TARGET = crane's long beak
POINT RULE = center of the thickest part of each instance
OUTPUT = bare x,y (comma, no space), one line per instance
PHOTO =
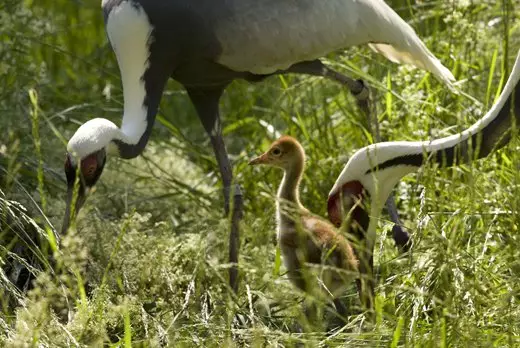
74,204
262,159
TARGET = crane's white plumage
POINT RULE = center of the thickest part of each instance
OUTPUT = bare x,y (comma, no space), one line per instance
368,157
362,166
260,37
92,136
129,31
263,39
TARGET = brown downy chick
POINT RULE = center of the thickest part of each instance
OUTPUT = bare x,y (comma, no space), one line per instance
306,239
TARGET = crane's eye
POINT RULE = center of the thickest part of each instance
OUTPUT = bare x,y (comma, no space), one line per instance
276,151
88,166
89,171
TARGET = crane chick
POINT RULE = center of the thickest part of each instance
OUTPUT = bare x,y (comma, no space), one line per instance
319,260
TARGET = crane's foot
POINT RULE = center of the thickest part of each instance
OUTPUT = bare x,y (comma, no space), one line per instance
401,236
236,206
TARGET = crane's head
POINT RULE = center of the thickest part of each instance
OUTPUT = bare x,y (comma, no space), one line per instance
362,188
285,153
85,160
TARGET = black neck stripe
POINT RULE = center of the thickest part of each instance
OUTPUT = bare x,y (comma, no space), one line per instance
492,137
415,160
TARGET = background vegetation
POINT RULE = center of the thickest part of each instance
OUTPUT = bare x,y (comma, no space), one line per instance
147,262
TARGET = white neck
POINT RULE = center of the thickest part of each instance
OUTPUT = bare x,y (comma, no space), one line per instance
379,167
478,126
129,31
363,165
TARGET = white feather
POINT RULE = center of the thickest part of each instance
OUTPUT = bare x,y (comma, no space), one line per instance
262,39
128,29
395,39
384,180
92,136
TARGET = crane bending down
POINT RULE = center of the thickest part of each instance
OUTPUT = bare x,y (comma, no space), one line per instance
206,44
373,171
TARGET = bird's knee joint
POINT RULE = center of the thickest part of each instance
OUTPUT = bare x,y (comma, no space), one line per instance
364,92
233,190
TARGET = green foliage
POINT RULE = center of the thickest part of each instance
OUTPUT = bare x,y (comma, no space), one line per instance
147,264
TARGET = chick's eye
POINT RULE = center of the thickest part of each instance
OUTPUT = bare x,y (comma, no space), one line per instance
276,151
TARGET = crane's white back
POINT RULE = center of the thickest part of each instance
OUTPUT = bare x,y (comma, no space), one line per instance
265,36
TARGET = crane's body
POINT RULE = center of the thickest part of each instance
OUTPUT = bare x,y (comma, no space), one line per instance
373,171
206,44
261,37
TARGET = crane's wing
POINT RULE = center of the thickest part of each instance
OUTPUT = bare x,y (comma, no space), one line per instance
263,36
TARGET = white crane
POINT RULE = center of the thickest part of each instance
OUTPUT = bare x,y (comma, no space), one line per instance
206,44
372,172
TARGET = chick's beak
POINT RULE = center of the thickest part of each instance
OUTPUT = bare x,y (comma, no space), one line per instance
262,159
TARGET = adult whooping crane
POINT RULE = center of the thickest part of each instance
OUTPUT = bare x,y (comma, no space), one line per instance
372,172
206,44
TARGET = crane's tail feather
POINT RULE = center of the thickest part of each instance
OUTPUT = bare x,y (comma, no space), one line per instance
424,60
395,39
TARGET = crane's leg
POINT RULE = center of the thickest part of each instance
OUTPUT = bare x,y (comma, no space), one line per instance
206,101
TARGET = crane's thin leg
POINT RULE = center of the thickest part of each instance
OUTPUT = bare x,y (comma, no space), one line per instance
206,101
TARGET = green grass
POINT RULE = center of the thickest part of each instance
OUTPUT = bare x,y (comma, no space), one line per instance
147,262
